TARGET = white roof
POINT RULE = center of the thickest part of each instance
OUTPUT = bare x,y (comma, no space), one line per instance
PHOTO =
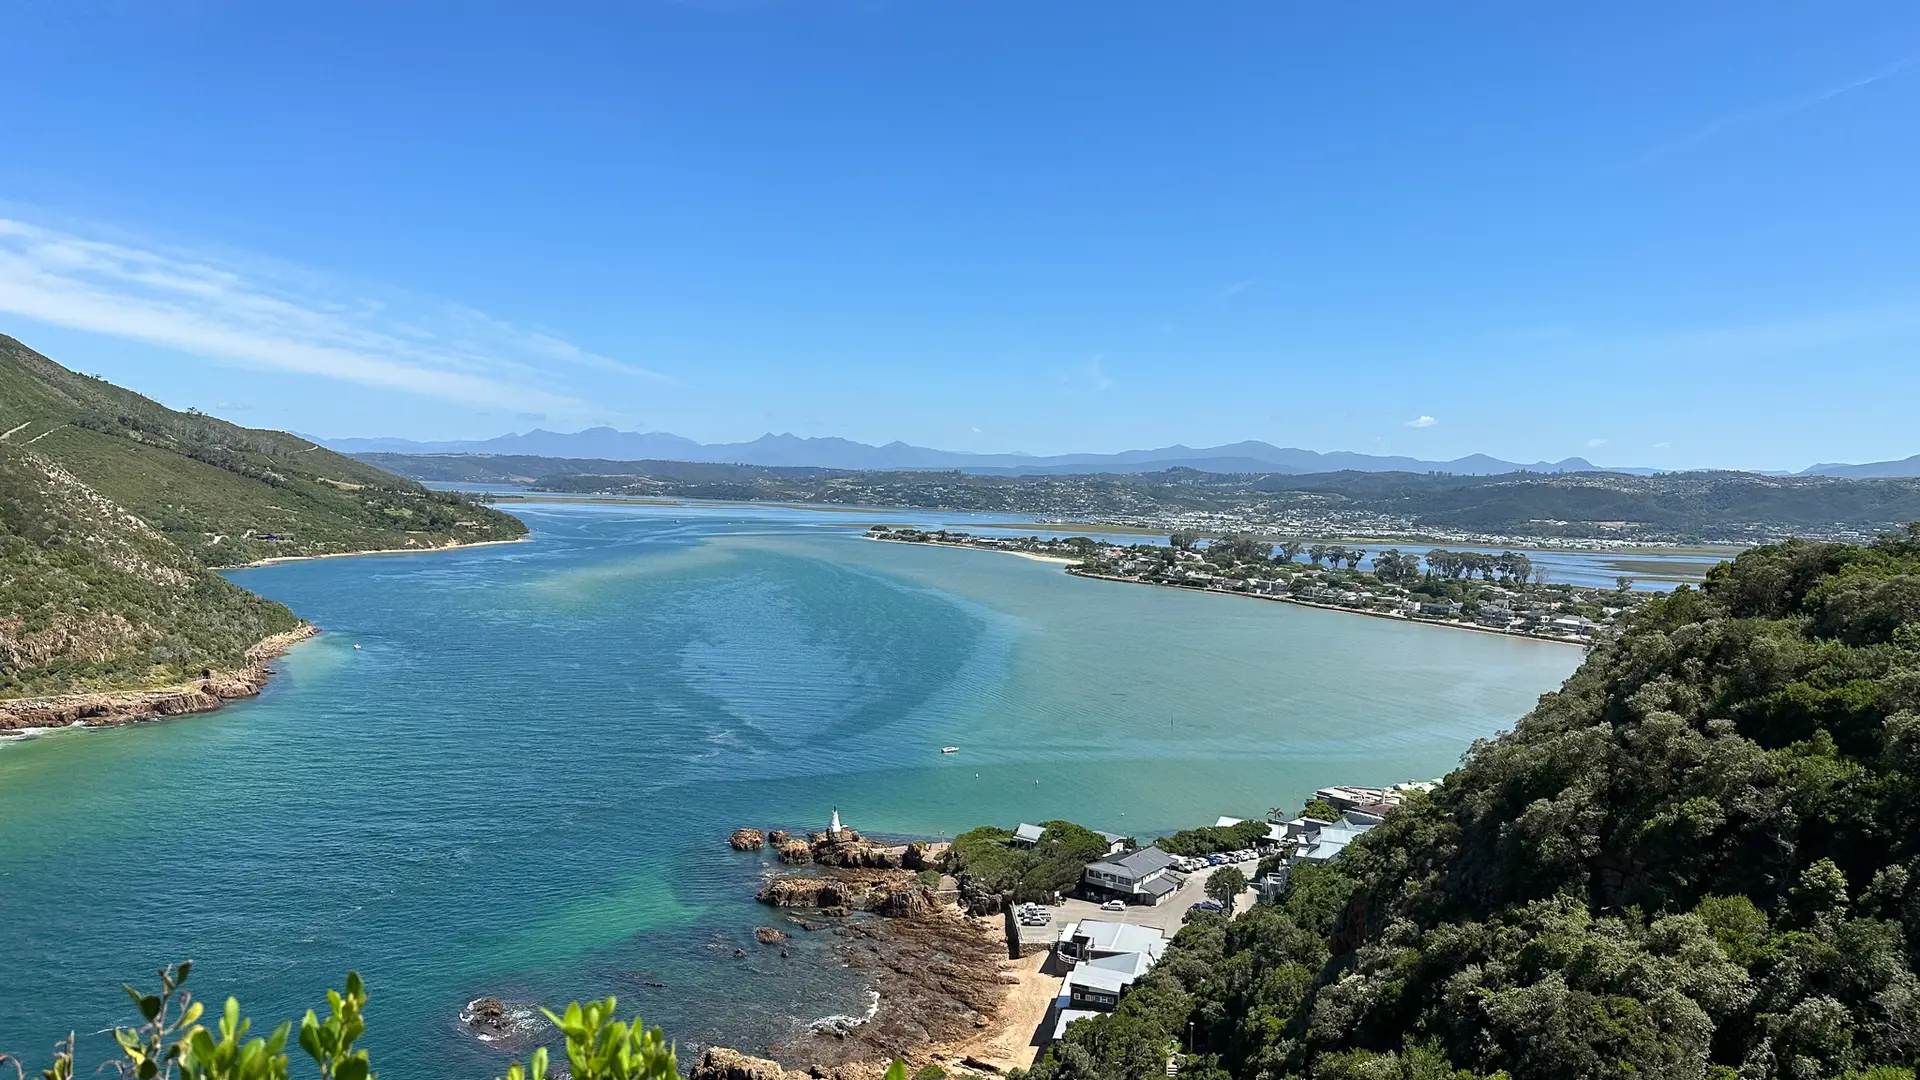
1030,833
1227,822
1113,937
1068,1016
1131,964
1104,979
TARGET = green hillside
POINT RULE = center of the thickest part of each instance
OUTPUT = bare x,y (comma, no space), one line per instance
113,507
91,598
227,494
1698,859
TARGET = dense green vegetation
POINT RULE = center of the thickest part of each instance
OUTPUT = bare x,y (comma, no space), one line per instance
1699,858
987,861
170,1041
226,494
1669,507
112,507
1211,839
93,599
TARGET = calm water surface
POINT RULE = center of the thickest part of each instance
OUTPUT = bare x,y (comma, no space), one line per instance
520,782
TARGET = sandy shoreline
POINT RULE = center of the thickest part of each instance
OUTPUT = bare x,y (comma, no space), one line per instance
1008,1040
974,547
374,551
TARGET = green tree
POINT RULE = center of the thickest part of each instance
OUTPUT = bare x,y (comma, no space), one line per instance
170,1043
1225,884
1320,810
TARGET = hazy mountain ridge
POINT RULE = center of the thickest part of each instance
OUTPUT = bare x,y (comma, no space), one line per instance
607,444
1666,507
1868,470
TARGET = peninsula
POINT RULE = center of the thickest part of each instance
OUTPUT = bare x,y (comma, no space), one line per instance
1467,590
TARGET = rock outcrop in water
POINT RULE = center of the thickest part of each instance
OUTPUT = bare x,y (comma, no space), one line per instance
746,840
503,1025
896,894
769,935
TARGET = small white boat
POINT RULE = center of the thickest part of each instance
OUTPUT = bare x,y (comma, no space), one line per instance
949,749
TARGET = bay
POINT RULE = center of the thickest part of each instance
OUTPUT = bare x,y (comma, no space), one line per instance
520,782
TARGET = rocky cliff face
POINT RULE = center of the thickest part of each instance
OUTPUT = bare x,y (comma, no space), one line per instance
210,691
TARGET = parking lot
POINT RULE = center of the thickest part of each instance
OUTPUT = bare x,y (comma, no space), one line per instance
1166,916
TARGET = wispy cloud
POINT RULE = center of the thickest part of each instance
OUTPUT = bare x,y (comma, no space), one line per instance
1422,422
255,314
1233,290
1661,445
1778,110
1097,375
1595,444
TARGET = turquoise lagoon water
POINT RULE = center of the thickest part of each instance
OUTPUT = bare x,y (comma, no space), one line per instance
519,784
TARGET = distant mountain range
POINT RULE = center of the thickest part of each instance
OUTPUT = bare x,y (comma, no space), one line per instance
1872,470
828,453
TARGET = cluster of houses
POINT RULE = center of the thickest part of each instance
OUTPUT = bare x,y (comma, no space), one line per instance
1497,607
1503,609
1105,958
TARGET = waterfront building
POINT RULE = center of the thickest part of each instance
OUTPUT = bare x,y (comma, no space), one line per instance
1138,877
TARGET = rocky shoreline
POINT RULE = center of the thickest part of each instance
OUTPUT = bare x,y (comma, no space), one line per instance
112,708
938,976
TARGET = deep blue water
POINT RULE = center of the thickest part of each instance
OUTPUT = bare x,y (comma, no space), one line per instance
520,783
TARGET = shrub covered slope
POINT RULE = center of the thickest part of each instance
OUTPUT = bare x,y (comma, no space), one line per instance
1698,858
217,489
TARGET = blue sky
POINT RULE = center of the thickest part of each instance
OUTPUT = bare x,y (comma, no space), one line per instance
1645,233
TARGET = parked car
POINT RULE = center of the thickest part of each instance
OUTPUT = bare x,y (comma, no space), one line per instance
1113,905
1208,905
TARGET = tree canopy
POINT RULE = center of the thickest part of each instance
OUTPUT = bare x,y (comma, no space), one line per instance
1698,858
987,860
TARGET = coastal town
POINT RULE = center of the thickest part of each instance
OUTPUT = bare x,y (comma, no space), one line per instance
1500,593
1075,945
1575,511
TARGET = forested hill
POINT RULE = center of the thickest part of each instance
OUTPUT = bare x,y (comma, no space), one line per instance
1699,858
227,494
112,507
